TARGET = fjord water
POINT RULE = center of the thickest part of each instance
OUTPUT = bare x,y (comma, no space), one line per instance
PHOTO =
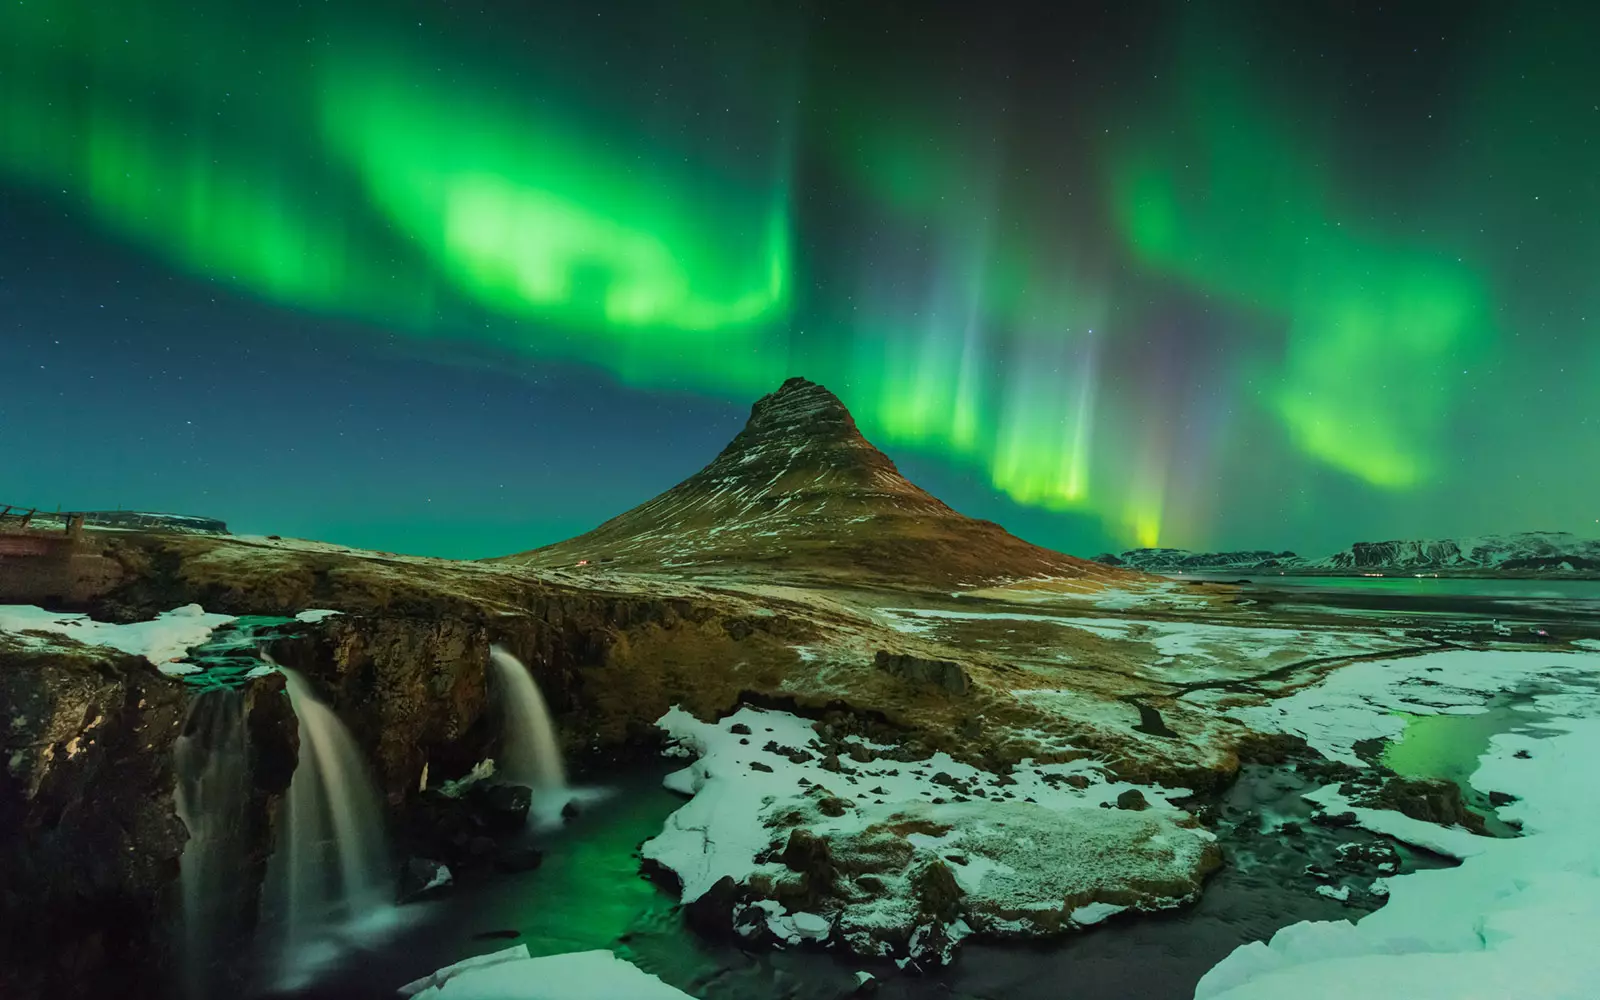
331,876
209,760
532,754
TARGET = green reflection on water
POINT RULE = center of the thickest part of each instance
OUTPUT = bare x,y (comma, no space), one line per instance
1447,747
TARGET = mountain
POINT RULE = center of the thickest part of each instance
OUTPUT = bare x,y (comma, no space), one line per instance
1529,553
1525,552
1184,561
799,490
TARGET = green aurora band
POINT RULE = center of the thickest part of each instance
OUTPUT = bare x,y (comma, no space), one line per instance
341,165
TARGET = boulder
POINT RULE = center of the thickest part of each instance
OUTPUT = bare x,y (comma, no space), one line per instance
1426,799
1132,799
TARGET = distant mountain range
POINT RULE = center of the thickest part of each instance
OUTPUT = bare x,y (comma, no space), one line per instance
1529,553
800,491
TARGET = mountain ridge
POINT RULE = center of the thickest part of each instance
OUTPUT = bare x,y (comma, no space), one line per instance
1526,553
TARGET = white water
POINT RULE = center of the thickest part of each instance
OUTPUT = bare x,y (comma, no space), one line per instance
532,754
332,869
209,759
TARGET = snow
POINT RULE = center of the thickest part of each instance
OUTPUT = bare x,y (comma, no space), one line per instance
1362,700
1516,918
313,615
513,975
1017,862
163,640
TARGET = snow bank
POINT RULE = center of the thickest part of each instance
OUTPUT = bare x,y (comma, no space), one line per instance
1035,851
1517,917
1360,701
163,640
513,975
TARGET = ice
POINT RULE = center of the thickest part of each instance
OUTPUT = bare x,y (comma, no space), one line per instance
163,640
1517,917
513,975
1361,700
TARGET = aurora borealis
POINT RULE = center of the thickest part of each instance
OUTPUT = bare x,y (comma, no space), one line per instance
1199,274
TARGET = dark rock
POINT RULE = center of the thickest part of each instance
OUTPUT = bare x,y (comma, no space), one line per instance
522,858
1498,799
800,757
1078,781
739,729
1291,829
945,675
423,879
481,847
570,810
500,935
832,806
1132,799
937,893
503,808
869,883
1334,820
89,843
711,914
1426,799
1522,755
810,857
756,765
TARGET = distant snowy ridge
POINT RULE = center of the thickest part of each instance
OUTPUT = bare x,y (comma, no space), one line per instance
1547,551
1184,561
1528,552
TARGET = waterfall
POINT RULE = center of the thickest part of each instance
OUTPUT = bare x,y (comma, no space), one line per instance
532,755
333,874
210,762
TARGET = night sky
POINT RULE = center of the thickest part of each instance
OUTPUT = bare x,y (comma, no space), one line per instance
465,278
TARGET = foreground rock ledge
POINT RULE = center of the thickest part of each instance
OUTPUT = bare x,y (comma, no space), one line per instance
787,841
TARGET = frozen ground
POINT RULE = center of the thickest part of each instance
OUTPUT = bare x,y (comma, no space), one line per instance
1517,917
1186,646
164,640
1040,849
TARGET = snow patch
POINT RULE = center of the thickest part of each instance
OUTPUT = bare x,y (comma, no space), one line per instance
513,975
164,640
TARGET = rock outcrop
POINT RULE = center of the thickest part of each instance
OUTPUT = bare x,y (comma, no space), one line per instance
89,837
89,843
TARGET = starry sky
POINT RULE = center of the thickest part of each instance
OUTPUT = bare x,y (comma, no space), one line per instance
465,278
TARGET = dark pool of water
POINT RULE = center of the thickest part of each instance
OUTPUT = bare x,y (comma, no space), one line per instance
588,894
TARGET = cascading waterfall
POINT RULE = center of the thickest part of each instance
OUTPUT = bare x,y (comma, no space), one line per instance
210,761
332,873
532,755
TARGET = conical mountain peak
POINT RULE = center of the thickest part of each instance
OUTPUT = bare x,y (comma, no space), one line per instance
800,491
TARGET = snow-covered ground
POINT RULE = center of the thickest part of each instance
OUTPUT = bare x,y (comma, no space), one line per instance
1517,918
513,975
164,640
1038,850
